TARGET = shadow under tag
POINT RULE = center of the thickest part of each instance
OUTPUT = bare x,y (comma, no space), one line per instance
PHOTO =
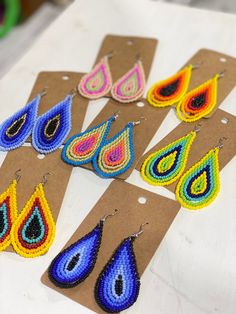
221,125
151,120
210,63
125,52
157,210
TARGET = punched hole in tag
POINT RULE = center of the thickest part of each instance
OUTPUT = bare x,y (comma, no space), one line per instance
40,156
224,120
222,59
130,42
65,77
142,200
140,104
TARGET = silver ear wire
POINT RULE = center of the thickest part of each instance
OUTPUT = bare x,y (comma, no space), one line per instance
43,92
110,54
141,230
104,218
221,140
45,179
197,65
222,74
197,127
138,121
17,175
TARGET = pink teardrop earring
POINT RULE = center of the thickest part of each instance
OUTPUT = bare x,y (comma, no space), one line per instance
98,82
130,87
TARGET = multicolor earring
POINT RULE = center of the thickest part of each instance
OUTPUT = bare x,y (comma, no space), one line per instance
200,101
81,148
117,287
130,87
74,264
117,154
52,128
169,91
8,212
199,186
98,82
15,130
33,231
166,165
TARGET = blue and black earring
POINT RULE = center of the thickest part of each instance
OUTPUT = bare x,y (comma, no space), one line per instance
117,287
116,154
74,264
52,128
15,130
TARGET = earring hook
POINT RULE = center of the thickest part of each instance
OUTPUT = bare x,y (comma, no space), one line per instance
197,65
221,74
110,54
141,230
116,114
17,175
73,93
138,57
134,123
197,127
104,218
44,91
44,181
221,140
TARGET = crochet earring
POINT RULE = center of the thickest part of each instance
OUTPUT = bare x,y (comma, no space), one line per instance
166,165
33,231
117,287
98,82
81,148
171,90
8,212
52,128
117,154
15,130
200,101
130,87
74,264
199,186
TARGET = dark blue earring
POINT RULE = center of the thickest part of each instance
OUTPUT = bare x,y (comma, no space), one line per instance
74,264
53,127
15,130
117,286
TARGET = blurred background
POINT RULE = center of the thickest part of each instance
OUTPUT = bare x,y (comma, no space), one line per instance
22,21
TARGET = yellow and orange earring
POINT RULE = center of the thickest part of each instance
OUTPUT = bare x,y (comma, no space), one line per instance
33,231
171,90
200,101
8,212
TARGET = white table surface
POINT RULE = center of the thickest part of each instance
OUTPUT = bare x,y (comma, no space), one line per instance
194,269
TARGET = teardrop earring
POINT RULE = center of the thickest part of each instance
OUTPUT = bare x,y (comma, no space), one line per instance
8,212
74,264
15,130
117,154
130,87
200,101
33,231
166,165
169,91
199,186
81,148
98,82
117,287
52,128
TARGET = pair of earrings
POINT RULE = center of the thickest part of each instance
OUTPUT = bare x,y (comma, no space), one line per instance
199,185
32,232
192,105
48,131
110,157
117,286
98,82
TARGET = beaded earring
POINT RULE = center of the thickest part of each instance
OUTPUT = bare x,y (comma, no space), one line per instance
52,128
74,264
200,101
117,287
200,185
33,231
98,82
117,154
171,90
130,87
15,130
166,165
8,212
81,148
